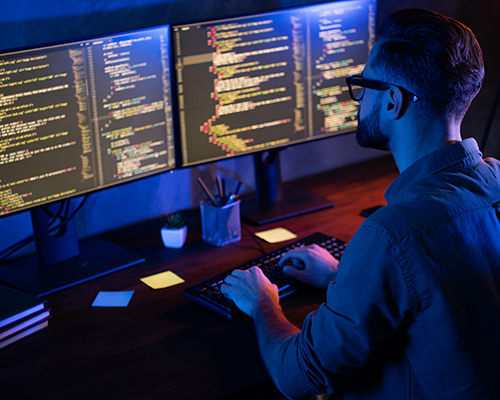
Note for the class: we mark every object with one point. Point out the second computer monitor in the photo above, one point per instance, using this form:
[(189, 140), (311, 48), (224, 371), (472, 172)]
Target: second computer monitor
[(269, 80)]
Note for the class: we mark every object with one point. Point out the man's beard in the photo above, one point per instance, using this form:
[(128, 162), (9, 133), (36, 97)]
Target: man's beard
[(369, 134)]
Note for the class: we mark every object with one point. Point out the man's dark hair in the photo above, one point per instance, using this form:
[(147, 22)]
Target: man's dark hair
[(434, 55)]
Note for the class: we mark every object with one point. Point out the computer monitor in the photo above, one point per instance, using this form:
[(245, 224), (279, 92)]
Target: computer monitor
[(76, 118), (265, 81)]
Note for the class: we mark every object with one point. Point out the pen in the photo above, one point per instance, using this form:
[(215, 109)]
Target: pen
[(207, 192), (219, 187), (238, 186)]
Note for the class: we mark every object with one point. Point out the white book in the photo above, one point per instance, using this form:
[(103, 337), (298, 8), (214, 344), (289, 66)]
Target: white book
[(23, 334), (9, 331)]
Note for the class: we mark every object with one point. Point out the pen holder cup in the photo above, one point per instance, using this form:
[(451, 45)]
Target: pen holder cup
[(220, 225)]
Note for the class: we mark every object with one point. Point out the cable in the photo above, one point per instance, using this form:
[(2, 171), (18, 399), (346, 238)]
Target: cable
[(254, 239), (61, 215), (65, 219), (56, 215), (15, 247), (61, 228)]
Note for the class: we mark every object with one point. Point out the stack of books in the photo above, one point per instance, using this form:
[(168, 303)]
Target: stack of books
[(21, 315)]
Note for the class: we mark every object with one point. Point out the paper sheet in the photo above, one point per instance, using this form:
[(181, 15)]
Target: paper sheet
[(112, 299), (276, 235), (162, 280)]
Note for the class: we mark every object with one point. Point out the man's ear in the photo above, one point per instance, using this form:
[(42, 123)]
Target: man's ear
[(395, 104)]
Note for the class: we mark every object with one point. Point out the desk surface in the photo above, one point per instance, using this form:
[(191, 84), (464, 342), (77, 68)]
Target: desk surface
[(162, 346)]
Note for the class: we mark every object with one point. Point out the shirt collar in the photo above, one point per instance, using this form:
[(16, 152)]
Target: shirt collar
[(465, 151)]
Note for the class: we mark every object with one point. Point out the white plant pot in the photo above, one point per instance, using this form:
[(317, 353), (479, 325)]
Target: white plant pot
[(174, 238)]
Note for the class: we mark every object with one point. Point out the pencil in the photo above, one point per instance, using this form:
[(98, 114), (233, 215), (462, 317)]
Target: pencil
[(219, 187), (207, 192)]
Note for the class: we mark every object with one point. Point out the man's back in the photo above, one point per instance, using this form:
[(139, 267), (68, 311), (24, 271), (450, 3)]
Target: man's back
[(444, 216)]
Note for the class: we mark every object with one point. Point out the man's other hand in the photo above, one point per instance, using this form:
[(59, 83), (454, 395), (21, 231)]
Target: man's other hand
[(310, 264)]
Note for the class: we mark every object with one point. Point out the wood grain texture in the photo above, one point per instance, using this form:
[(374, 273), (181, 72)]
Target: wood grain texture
[(162, 346)]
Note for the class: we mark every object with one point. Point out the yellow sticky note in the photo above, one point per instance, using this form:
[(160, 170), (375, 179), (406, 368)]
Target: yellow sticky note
[(162, 280), (276, 235)]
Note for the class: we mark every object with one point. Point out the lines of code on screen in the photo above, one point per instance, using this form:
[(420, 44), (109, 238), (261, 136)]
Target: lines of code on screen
[(269, 80), (82, 116)]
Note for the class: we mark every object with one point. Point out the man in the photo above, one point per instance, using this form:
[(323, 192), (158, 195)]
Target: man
[(414, 310)]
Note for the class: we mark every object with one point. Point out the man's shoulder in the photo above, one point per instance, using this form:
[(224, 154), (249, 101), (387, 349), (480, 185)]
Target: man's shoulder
[(494, 166), (398, 220), (440, 198), (408, 217)]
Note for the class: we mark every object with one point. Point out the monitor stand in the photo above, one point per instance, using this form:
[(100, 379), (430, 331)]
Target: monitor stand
[(62, 261), (274, 201)]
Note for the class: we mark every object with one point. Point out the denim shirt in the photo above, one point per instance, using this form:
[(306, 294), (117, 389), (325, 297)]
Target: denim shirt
[(415, 310)]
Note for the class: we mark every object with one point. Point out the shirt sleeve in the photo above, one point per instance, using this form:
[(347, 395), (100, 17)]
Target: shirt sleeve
[(371, 298)]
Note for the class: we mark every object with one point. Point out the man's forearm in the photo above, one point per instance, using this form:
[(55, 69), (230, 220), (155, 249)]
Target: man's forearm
[(272, 329)]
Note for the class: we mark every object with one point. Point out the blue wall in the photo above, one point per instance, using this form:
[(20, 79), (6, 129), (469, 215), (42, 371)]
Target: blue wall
[(26, 23)]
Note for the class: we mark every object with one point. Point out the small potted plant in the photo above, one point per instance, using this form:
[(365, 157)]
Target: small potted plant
[(174, 231)]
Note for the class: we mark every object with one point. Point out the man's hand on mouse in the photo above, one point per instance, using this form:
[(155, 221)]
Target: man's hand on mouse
[(310, 264)]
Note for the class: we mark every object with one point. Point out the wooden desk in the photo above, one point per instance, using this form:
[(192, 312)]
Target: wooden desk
[(162, 346)]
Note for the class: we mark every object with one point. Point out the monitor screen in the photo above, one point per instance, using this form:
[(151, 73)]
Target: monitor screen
[(263, 81), (83, 116)]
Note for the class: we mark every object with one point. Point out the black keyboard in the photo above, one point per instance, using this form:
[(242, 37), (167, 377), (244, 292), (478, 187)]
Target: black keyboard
[(208, 294)]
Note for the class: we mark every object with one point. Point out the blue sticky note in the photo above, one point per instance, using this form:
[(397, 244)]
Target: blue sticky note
[(112, 299)]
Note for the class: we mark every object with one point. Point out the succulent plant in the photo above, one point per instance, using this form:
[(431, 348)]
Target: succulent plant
[(175, 220)]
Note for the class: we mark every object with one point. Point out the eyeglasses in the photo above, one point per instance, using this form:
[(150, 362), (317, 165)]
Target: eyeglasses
[(357, 85)]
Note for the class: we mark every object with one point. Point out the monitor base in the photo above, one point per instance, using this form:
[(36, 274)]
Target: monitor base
[(97, 257), (294, 201)]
